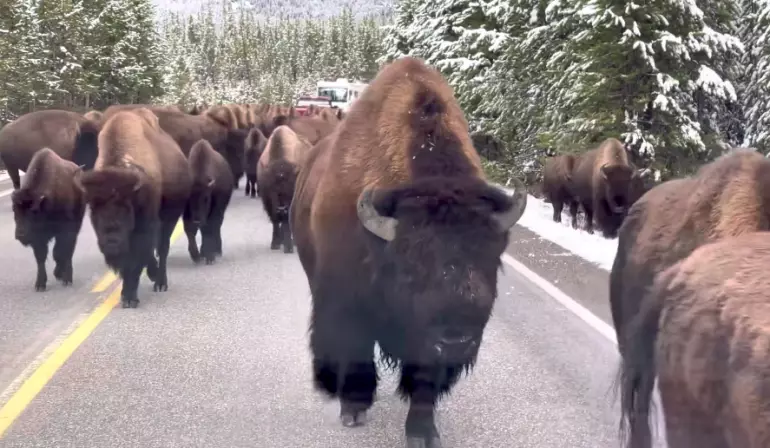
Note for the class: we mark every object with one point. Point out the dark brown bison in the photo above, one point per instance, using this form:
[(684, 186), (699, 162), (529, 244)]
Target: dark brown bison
[(218, 125), (602, 179), (68, 134), (49, 206), (211, 191), (255, 145), (277, 171), (137, 192), (704, 330), (557, 186), (198, 109), (727, 197), (400, 236)]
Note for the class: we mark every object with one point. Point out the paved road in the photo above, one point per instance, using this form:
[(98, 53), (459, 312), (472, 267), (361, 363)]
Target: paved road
[(221, 360)]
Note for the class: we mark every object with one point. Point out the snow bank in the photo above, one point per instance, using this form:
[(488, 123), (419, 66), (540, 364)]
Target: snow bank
[(538, 218), (3, 175)]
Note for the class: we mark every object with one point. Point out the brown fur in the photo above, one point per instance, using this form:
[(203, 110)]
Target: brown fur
[(49, 206), (705, 332), (141, 183), (726, 198), (277, 171), (255, 145), (211, 191), (406, 136), (557, 186), (68, 134), (602, 180), (93, 115), (312, 129)]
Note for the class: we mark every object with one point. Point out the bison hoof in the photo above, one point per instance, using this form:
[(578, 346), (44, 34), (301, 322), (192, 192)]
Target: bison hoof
[(574, 225), (590, 231), (423, 442), (275, 246), (63, 274), (288, 250), (160, 286), (40, 286), (210, 259), (195, 256), (253, 195), (129, 303), (351, 419)]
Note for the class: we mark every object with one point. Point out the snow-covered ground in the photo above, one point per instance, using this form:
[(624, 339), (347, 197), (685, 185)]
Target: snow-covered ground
[(538, 218), (3, 175)]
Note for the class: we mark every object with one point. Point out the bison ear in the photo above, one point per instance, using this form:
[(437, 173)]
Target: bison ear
[(603, 171), (77, 179), (369, 213)]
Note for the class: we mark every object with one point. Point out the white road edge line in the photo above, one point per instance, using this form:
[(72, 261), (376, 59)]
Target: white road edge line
[(579, 310), (6, 193)]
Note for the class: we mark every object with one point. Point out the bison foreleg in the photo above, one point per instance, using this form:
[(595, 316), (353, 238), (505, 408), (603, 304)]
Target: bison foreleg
[(557, 208), (63, 250), (208, 243), (288, 242), (573, 211), (343, 364), (424, 385), (588, 209), (191, 230), (164, 244), (40, 249), (275, 242)]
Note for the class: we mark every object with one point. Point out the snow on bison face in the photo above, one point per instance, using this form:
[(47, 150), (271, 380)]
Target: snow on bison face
[(436, 257)]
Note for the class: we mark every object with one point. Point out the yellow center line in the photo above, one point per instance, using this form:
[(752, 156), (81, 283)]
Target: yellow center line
[(43, 374)]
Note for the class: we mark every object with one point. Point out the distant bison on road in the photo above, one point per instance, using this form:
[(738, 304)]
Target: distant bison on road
[(557, 186), (49, 206), (68, 134), (400, 236)]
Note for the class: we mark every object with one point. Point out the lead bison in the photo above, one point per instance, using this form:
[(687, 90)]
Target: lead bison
[(603, 180), (557, 186), (704, 332), (137, 192), (48, 207), (400, 236), (728, 197), (68, 134)]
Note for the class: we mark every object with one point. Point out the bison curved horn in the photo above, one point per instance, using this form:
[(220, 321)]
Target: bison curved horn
[(507, 219), (382, 226), (77, 179), (139, 183), (211, 182), (603, 170)]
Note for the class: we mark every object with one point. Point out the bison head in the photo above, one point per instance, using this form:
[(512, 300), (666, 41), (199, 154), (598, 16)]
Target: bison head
[(279, 179), (436, 247), (200, 201), (615, 183), (111, 194), (30, 212)]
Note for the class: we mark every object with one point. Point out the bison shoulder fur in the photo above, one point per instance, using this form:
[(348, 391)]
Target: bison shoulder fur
[(49, 206), (212, 183), (400, 236)]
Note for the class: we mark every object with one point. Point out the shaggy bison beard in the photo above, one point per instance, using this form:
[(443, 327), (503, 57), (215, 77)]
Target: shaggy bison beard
[(430, 297), (277, 192)]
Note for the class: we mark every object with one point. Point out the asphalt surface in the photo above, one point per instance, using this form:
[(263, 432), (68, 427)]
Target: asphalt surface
[(221, 359)]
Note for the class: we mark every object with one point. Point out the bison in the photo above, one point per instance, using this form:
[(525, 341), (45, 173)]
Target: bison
[(725, 198), (602, 180), (557, 186), (703, 330), (137, 192), (400, 236), (49, 206), (211, 191), (276, 176), (68, 134), (255, 145)]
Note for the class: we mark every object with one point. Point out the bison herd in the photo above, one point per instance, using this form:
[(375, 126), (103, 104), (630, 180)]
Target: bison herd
[(400, 236)]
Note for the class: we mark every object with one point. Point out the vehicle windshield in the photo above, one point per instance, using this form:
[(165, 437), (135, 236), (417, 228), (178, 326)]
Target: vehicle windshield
[(335, 93)]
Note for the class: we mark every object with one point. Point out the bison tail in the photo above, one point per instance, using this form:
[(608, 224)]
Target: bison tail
[(637, 374), (87, 145)]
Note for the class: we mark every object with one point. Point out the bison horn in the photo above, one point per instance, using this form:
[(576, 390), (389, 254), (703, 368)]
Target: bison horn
[(139, 183), (382, 226), (507, 219), (603, 170), (211, 182)]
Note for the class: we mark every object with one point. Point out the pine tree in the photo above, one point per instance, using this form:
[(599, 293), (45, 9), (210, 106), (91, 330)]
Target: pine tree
[(755, 89)]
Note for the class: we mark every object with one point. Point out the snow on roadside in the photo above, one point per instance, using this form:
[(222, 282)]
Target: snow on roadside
[(593, 248), (3, 175)]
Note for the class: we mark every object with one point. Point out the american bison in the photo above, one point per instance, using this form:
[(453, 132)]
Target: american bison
[(255, 145), (68, 134), (211, 191), (400, 236), (557, 186), (137, 192), (49, 206), (93, 115), (277, 171), (703, 330), (725, 198), (602, 179)]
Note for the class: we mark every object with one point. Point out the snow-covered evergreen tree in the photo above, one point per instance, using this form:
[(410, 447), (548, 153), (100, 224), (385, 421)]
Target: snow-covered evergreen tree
[(755, 89)]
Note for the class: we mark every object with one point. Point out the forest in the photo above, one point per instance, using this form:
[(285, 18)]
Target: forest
[(679, 83)]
